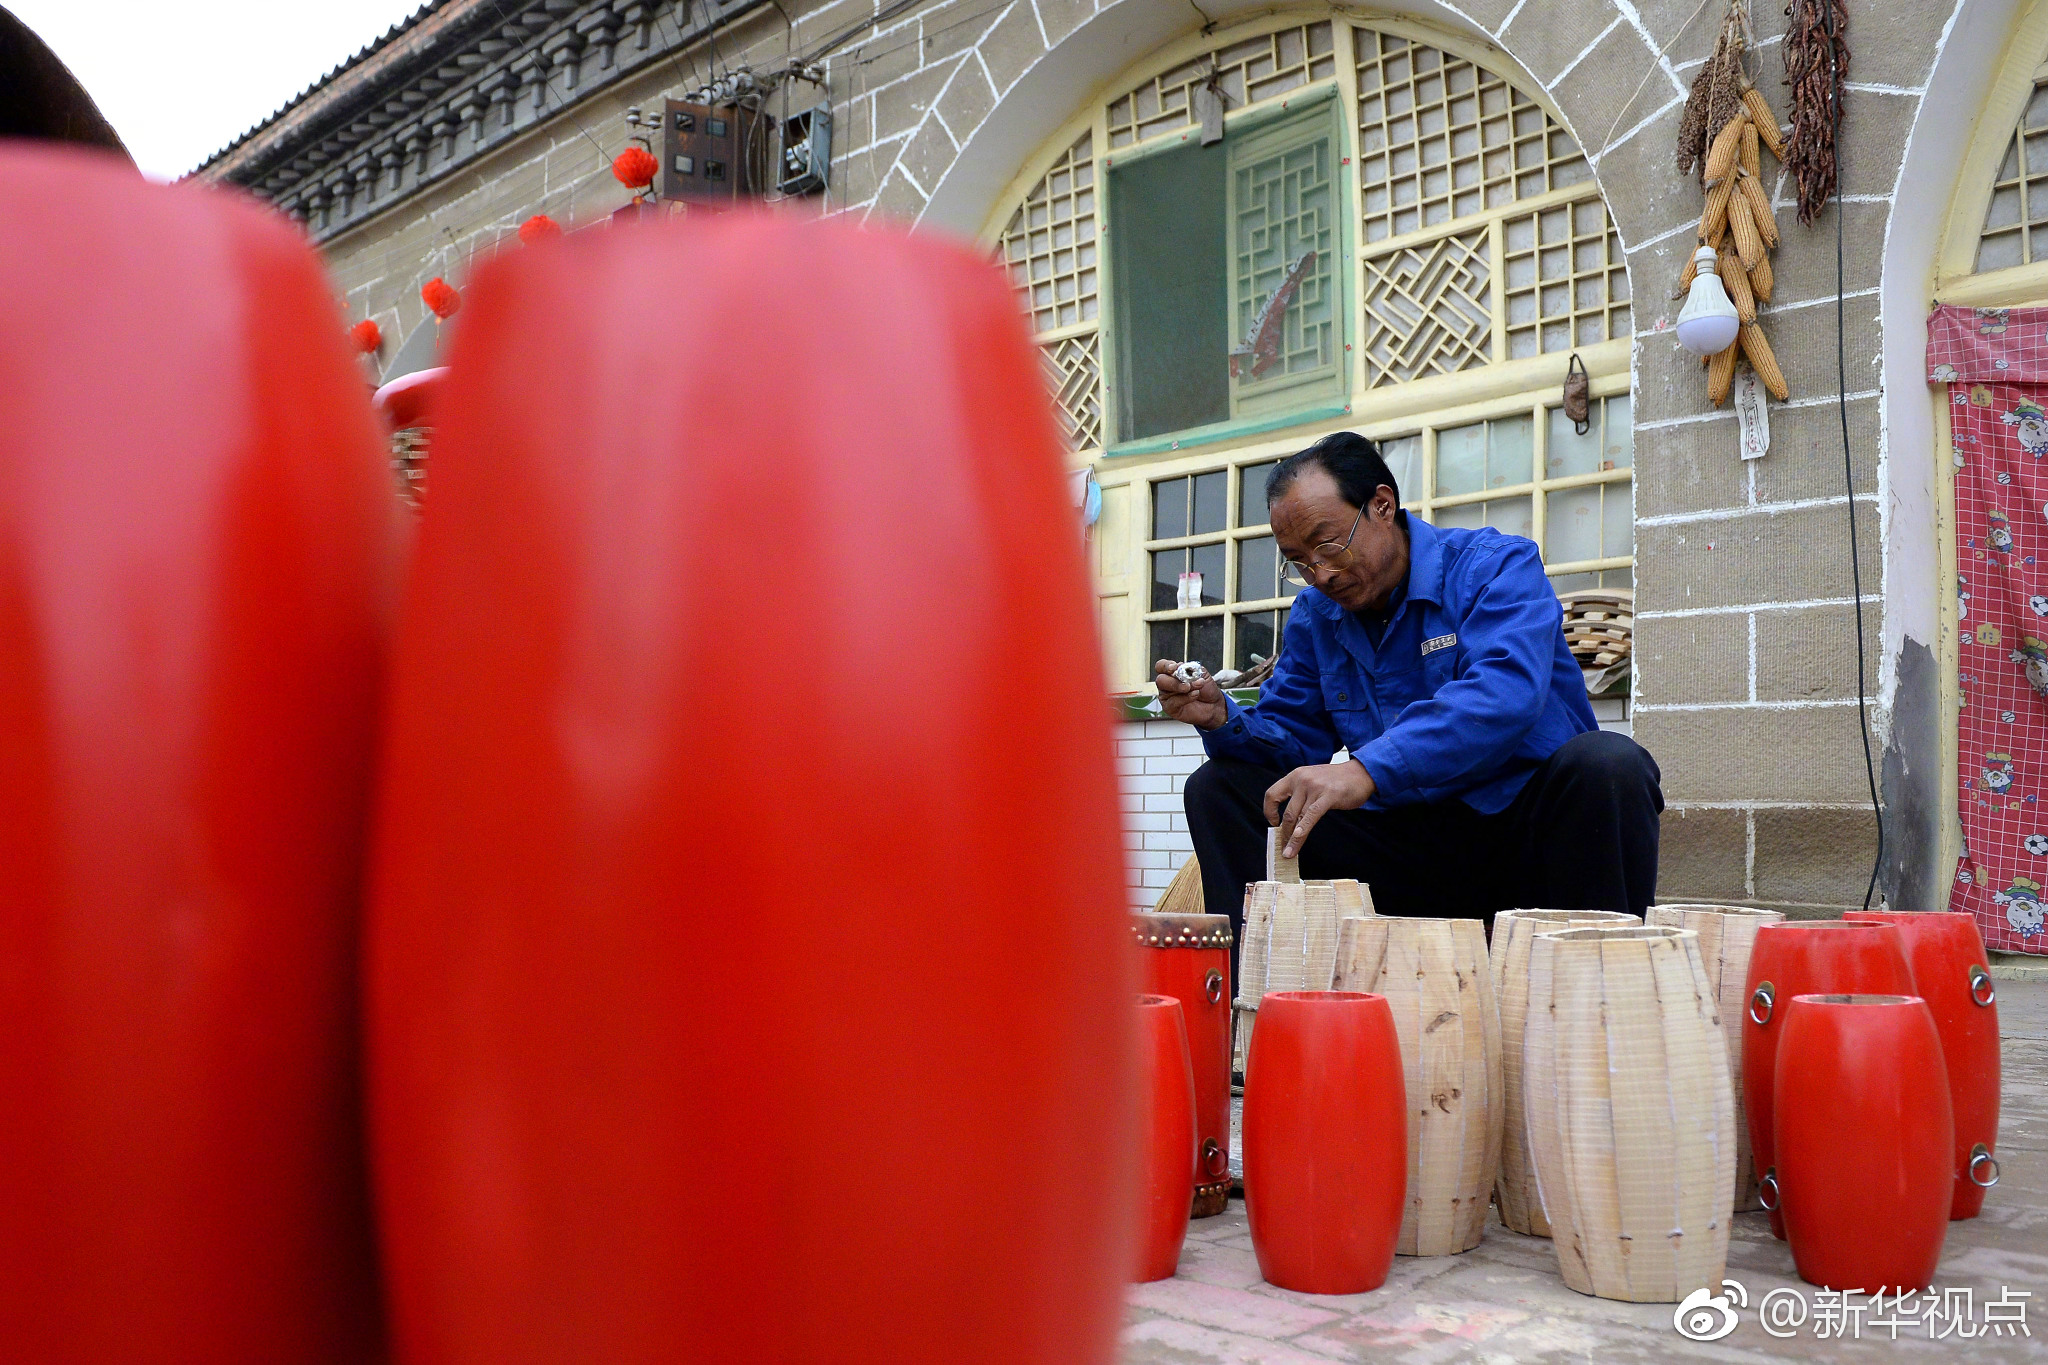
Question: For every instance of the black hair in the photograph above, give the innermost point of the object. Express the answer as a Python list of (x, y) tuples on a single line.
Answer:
[(1352, 460)]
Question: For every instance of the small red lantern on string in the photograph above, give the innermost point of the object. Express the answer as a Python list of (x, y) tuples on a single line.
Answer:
[(366, 337), (539, 228), (442, 297), (635, 168)]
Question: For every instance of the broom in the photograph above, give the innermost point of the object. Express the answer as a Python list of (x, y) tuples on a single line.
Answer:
[(1183, 895)]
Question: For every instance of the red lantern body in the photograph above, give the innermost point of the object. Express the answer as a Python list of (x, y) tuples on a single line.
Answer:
[(1166, 1177), (1805, 957), (1188, 958), (196, 534), (1953, 977), (720, 1010), (1863, 1139), (1325, 1140)]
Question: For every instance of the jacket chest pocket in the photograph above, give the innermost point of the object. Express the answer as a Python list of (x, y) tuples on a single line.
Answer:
[(1346, 689), (1439, 668)]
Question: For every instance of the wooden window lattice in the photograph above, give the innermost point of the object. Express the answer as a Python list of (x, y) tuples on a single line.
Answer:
[(1246, 72), (1441, 138), (1283, 205), (2016, 222), (1074, 368), (1428, 308), (1050, 243), (1567, 282)]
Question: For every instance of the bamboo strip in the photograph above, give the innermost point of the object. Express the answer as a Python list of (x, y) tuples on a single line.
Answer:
[(1727, 937), (1434, 975), (1521, 1207), (1635, 1150)]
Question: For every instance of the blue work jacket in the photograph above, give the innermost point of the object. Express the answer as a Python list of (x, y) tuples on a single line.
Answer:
[(1470, 688)]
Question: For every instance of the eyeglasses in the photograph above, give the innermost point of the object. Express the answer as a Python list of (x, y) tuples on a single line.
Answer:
[(1328, 557)]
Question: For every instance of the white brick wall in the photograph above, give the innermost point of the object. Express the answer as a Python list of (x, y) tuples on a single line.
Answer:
[(1153, 759)]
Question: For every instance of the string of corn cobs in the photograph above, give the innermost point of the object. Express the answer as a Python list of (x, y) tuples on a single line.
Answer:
[(1727, 126)]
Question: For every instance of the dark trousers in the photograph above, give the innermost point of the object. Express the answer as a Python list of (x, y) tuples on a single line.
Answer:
[(1581, 835)]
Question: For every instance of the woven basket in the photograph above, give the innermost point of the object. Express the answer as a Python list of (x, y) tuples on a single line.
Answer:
[(1433, 973), (1289, 943), (1727, 933), (1631, 1120), (1508, 961)]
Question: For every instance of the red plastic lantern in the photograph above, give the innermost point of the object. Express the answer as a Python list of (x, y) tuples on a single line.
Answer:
[(539, 228), (441, 298), (847, 1074), (1325, 1140), (1802, 957), (1953, 977), (190, 649), (1166, 1175), (366, 336), (635, 168), (1863, 1140)]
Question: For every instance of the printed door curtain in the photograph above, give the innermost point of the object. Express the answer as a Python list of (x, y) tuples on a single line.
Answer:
[(1995, 364)]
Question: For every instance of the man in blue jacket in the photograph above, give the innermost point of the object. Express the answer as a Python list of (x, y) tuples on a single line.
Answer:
[(1476, 778)]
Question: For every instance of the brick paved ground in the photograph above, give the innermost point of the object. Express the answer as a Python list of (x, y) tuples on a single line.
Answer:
[(1503, 1300)]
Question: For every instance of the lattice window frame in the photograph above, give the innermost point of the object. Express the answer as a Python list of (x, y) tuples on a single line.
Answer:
[(1512, 297), (2015, 231)]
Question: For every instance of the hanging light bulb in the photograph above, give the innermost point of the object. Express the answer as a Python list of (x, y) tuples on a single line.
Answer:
[(1708, 322)]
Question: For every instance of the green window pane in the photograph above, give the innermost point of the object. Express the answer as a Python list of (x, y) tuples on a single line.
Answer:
[(1170, 640), (1619, 452), (1169, 509), (1511, 516), (1510, 451), (1571, 524), (1617, 521), (1403, 455), (1571, 453), (1255, 637), (1167, 567), (1170, 313), (1460, 460), (1205, 642), (1615, 579), (1258, 569), (1208, 561), (1575, 582), (1251, 493), (1211, 490)]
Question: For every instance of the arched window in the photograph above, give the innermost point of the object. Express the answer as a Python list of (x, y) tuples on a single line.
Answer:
[(1293, 226)]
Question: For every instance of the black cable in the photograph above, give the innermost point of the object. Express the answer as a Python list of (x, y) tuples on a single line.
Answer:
[(1848, 464)]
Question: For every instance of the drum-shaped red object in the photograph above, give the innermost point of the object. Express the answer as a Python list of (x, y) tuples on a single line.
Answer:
[(1188, 958), (1954, 978), (1863, 1139), (195, 562), (1805, 957), (1325, 1140), (749, 977), (1166, 1178)]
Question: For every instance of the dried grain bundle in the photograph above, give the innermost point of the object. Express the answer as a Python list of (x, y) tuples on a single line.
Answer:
[(1760, 212), (1753, 344), (1716, 97), (1817, 68), (1765, 120), (1736, 280), (1721, 374), (1762, 279), (1749, 243)]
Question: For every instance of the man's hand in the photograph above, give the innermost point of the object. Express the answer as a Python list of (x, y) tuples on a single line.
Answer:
[(1306, 793), (1198, 704)]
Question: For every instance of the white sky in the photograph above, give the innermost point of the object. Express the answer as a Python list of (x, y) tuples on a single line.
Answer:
[(180, 79)]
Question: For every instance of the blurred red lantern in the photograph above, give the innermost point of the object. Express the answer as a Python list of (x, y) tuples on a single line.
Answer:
[(366, 336), (190, 650), (539, 228), (635, 167), (612, 1129), (442, 297)]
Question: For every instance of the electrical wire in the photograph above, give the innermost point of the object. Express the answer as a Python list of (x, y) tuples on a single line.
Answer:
[(1848, 462)]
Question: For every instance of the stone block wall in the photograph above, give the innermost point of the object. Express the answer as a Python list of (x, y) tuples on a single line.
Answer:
[(1745, 655)]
